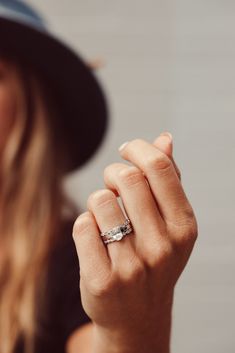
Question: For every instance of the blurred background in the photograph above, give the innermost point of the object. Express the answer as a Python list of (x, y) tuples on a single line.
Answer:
[(170, 65)]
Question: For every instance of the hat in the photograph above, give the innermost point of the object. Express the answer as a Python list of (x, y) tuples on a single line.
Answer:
[(80, 98)]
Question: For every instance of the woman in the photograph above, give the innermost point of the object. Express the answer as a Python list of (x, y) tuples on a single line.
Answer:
[(52, 120)]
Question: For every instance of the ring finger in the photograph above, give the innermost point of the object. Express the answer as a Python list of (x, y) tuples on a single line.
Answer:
[(108, 214)]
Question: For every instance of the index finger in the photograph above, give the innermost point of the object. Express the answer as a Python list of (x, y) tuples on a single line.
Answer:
[(164, 143)]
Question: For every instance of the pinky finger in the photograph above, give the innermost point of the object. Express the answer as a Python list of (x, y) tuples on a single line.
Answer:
[(93, 256)]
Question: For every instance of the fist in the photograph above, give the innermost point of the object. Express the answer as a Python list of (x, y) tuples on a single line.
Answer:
[(128, 285)]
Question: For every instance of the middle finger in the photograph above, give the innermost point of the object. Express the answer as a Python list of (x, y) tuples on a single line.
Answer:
[(138, 202)]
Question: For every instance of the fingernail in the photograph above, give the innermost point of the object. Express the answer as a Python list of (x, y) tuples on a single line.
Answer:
[(122, 146), (166, 133)]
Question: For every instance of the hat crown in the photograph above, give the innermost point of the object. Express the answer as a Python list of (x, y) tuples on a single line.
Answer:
[(22, 12)]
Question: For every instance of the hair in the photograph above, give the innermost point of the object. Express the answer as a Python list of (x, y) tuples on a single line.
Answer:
[(31, 205)]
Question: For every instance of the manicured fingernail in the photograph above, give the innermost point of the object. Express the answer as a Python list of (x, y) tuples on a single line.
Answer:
[(122, 146), (166, 133)]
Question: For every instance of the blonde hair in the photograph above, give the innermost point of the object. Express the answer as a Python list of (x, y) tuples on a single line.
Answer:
[(31, 200)]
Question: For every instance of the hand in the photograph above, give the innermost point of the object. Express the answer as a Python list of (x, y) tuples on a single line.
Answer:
[(127, 286)]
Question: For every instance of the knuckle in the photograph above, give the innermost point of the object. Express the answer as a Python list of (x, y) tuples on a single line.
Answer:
[(100, 198), (184, 216), (131, 272), (188, 233), (159, 162), (158, 255), (131, 176), (164, 252), (189, 214), (101, 287)]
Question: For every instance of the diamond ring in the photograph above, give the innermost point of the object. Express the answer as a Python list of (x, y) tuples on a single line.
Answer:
[(117, 233)]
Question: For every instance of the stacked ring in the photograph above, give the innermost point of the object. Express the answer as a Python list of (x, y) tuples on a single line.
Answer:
[(117, 233)]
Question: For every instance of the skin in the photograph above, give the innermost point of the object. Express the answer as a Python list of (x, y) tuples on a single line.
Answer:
[(127, 287)]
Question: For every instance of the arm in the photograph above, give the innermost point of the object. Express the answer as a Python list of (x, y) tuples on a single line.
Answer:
[(88, 339), (149, 339)]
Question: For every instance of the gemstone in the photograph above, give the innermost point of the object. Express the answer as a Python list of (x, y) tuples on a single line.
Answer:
[(118, 236), (123, 228)]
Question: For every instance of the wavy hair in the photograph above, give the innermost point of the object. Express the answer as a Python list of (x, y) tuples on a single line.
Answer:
[(31, 204)]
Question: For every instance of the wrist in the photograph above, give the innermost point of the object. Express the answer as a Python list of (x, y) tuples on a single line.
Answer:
[(151, 337)]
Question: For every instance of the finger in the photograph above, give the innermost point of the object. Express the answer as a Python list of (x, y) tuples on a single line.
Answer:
[(164, 143), (162, 178), (108, 214), (93, 257), (137, 200), (166, 146)]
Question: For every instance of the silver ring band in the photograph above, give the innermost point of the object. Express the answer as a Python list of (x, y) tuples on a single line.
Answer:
[(117, 233)]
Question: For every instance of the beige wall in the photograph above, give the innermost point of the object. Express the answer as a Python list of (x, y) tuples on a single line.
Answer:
[(170, 65)]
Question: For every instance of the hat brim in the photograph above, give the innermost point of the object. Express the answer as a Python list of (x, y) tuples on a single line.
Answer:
[(81, 100)]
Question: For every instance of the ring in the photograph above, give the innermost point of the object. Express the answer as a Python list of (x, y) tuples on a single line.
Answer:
[(117, 233)]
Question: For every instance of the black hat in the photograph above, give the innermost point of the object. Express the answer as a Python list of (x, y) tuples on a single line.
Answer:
[(80, 98)]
